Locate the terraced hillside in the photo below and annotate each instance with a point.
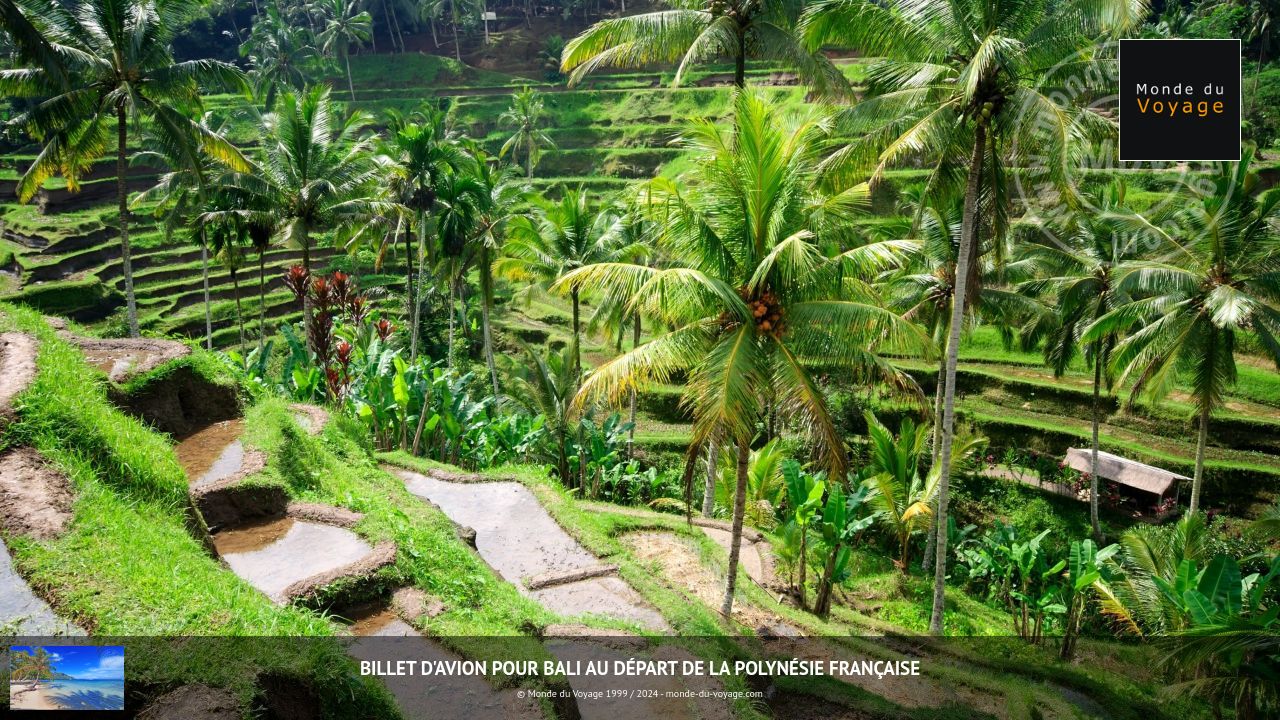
(60, 255)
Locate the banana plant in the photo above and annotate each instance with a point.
(804, 500)
(1038, 591)
(1087, 567)
(843, 517)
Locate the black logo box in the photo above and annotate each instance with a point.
(1191, 66)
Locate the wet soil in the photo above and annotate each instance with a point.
(122, 358)
(35, 498)
(17, 369)
(21, 610)
(382, 634)
(179, 402)
(216, 453)
(520, 540)
(377, 620)
(276, 554)
(193, 702)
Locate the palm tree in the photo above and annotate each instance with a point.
(227, 240)
(959, 81)
(525, 116)
(700, 31)
(1218, 280)
(33, 665)
(313, 173)
(753, 306)
(30, 42)
(346, 25)
(901, 490)
(118, 63)
(179, 197)
(459, 197)
(568, 235)
(501, 196)
(278, 54)
(418, 154)
(1090, 246)
(544, 384)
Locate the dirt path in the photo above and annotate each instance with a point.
(311, 418)
(521, 541)
(754, 557)
(17, 369)
(678, 561)
(35, 498)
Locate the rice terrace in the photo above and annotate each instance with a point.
(720, 359)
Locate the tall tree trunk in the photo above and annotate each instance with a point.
(235, 290)
(306, 295)
(204, 280)
(631, 434)
(457, 48)
(452, 321)
(486, 301)
(1201, 441)
(1093, 461)
(740, 62)
(735, 539)
(968, 231)
(262, 300)
(931, 539)
(577, 341)
(122, 197)
(709, 487)
(351, 88)
(411, 294)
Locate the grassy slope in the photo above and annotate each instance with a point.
(128, 566)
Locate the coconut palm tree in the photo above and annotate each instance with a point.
(559, 239)
(501, 194)
(227, 239)
(32, 665)
(751, 304)
(1089, 247)
(345, 25)
(178, 198)
(118, 67)
(1216, 281)
(960, 81)
(313, 173)
(419, 153)
(544, 384)
(701, 31)
(278, 54)
(524, 117)
(459, 198)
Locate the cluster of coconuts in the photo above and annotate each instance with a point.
(767, 312)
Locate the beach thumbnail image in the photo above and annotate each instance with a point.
(66, 677)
